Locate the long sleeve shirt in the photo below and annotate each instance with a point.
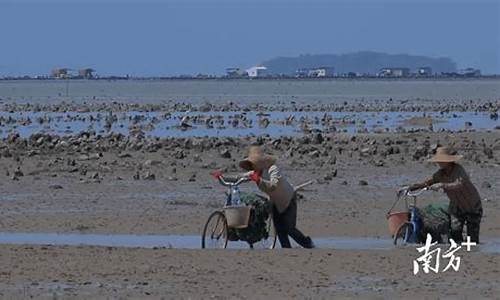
(459, 189)
(274, 184)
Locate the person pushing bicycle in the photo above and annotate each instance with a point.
(269, 179)
(465, 203)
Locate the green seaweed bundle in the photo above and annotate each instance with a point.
(257, 226)
(436, 221)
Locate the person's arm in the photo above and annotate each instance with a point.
(433, 180)
(428, 182)
(461, 178)
(455, 185)
(246, 174)
(274, 178)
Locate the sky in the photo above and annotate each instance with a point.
(163, 38)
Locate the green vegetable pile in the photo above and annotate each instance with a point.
(436, 221)
(257, 226)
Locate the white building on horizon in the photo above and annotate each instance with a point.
(321, 72)
(470, 72)
(394, 72)
(257, 71)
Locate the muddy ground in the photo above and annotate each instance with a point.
(118, 273)
(166, 187)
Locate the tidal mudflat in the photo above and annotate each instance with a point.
(139, 164)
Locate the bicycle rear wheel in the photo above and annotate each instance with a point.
(403, 234)
(215, 231)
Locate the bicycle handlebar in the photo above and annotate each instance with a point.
(407, 192)
(417, 192)
(238, 182)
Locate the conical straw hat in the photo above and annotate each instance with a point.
(256, 159)
(444, 154)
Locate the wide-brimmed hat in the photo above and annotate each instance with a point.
(256, 159)
(445, 154)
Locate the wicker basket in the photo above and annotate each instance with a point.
(237, 216)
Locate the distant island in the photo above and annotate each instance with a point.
(365, 62)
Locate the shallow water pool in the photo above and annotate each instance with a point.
(194, 241)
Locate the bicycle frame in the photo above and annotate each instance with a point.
(411, 237)
(414, 219)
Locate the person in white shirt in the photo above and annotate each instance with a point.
(269, 179)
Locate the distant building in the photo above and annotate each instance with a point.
(470, 72)
(87, 73)
(258, 71)
(202, 76)
(322, 72)
(235, 73)
(354, 74)
(424, 71)
(60, 73)
(394, 72)
(302, 73)
(384, 72)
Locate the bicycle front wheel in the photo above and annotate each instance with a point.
(215, 231)
(403, 234)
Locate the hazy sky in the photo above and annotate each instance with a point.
(189, 37)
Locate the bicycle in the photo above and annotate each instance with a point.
(408, 231)
(216, 230)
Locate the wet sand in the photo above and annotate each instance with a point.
(47, 272)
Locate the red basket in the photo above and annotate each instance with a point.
(396, 219)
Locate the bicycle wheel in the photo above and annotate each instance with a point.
(215, 231)
(270, 242)
(403, 234)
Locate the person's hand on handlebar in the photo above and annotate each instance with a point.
(216, 174)
(417, 186)
(254, 176)
(402, 190)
